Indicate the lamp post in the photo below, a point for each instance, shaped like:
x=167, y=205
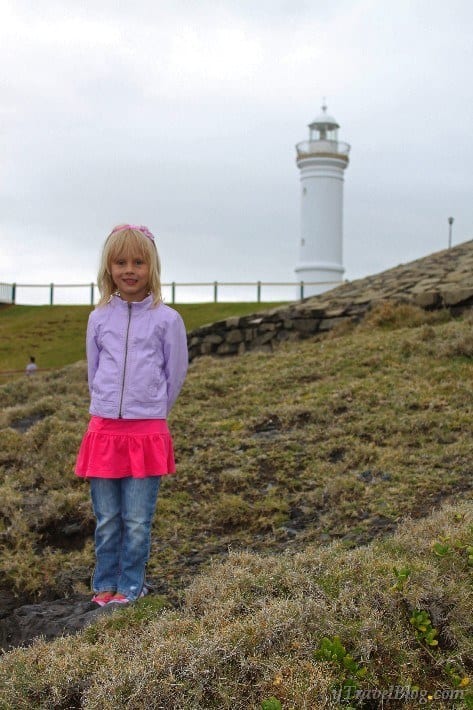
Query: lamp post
x=450, y=222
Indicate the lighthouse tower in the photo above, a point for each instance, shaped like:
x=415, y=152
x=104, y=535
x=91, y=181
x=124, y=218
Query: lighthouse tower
x=322, y=160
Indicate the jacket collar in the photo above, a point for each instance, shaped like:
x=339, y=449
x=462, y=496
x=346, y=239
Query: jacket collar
x=117, y=302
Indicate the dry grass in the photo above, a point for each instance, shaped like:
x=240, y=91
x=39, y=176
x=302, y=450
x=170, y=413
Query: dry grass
x=293, y=460
x=249, y=628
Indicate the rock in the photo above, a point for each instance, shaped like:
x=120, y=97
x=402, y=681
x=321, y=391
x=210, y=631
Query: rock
x=227, y=348
x=427, y=299
x=234, y=336
x=265, y=338
x=8, y=603
x=49, y=620
x=213, y=339
x=206, y=348
x=456, y=296
x=267, y=327
x=306, y=325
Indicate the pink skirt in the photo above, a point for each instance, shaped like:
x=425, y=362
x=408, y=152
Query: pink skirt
x=116, y=448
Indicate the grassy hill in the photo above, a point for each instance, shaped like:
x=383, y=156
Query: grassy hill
x=317, y=537
x=55, y=334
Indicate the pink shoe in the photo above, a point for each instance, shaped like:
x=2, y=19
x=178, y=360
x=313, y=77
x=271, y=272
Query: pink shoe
x=102, y=598
x=118, y=599
x=121, y=599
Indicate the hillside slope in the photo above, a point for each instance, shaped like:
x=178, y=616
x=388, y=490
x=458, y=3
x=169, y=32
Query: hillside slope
x=290, y=457
x=434, y=282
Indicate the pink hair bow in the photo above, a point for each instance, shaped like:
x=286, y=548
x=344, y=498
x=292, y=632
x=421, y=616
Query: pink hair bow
x=141, y=228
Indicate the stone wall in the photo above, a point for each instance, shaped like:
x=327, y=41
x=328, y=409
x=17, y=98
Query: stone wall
x=441, y=280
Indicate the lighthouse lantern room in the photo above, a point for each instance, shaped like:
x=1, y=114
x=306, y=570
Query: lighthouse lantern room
x=321, y=161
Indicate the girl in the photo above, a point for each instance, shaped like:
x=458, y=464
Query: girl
x=137, y=361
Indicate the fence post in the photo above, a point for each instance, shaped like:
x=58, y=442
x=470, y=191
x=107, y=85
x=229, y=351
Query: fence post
x=92, y=298
x=173, y=292
x=13, y=293
x=215, y=291
x=302, y=289
x=258, y=292
x=51, y=294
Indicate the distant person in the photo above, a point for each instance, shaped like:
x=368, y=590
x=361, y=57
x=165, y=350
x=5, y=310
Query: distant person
x=137, y=362
x=31, y=366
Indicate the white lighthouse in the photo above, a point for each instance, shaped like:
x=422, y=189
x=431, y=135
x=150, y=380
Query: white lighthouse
x=322, y=160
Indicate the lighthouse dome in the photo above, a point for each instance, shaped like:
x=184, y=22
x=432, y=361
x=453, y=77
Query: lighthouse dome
x=324, y=120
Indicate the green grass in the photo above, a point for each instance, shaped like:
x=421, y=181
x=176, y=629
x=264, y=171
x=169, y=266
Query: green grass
x=55, y=335
x=323, y=467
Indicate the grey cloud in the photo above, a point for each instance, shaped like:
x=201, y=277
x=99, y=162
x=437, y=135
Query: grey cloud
x=107, y=128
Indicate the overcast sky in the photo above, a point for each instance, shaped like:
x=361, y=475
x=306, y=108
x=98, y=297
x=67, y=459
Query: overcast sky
x=183, y=115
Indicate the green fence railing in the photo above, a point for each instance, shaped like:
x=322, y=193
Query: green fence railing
x=255, y=289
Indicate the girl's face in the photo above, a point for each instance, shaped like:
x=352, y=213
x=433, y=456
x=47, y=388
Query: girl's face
x=130, y=274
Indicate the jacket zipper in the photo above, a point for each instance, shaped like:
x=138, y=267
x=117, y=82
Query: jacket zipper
x=124, y=363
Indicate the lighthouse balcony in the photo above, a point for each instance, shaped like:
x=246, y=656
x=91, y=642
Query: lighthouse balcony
x=329, y=148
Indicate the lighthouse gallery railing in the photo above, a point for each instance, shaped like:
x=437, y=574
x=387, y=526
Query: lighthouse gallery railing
x=308, y=148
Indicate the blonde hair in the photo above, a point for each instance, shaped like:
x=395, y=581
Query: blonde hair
x=126, y=242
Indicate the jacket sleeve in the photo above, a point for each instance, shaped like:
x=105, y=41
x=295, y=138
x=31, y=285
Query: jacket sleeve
x=176, y=358
x=92, y=350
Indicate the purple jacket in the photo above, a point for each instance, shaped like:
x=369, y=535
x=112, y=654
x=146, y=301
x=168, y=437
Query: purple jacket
x=137, y=359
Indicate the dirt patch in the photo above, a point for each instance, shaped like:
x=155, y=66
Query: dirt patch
x=26, y=423
x=67, y=534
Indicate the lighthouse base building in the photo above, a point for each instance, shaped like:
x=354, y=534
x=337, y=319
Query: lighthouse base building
x=322, y=161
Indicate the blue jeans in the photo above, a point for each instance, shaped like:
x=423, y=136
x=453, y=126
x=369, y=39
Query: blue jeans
x=124, y=509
